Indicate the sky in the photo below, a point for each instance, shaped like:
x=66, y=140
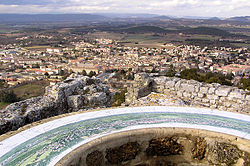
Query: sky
x=201, y=8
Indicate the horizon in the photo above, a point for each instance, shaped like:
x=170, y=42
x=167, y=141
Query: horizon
x=176, y=8
x=128, y=15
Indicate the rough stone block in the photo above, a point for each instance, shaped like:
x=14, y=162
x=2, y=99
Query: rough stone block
x=197, y=88
x=179, y=93
x=170, y=84
x=201, y=95
x=204, y=90
x=212, y=102
x=160, y=80
x=238, y=94
x=205, y=100
x=213, y=97
x=222, y=108
x=248, y=97
x=223, y=91
x=188, y=87
x=213, y=106
x=211, y=90
x=177, y=85
x=187, y=95
x=75, y=101
x=227, y=104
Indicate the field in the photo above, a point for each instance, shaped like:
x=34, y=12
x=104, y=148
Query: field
x=29, y=90
x=113, y=36
x=158, y=41
x=3, y=105
x=40, y=48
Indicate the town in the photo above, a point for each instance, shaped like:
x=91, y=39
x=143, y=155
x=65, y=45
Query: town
x=19, y=65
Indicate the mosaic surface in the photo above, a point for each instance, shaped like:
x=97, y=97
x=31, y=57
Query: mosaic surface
x=43, y=144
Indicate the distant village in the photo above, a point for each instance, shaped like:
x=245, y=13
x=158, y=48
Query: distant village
x=20, y=64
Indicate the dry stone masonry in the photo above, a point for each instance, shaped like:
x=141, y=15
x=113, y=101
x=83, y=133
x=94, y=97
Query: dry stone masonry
x=159, y=146
x=214, y=95
x=76, y=92
x=81, y=92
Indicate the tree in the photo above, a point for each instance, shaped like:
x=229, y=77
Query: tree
x=130, y=76
x=92, y=73
x=84, y=73
x=62, y=72
x=230, y=76
x=119, y=97
x=8, y=97
x=2, y=83
x=171, y=71
x=189, y=74
x=46, y=74
x=153, y=70
x=245, y=83
x=35, y=65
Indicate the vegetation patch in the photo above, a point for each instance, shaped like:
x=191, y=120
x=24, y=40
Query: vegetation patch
x=95, y=159
x=122, y=153
x=32, y=89
x=194, y=74
x=164, y=147
x=223, y=153
x=199, y=149
x=3, y=105
x=119, y=98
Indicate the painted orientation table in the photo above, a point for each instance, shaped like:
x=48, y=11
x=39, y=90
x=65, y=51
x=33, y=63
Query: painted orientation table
x=47, y=143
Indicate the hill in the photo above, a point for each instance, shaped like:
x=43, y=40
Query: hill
x=241, y=19
x=206, y=31
x=144, y=29
x=23, y=18
x=162, y=17
x=191, y=31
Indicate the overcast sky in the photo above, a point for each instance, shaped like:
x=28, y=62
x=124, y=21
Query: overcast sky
x=206, y=8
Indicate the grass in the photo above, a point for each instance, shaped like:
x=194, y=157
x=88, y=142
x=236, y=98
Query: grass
x=37, y=47
x=3, y=105
x=204, y=37
x=29, y=90
x=113, y=36
x=241, y=45
x=141, y=38
x=144, y=40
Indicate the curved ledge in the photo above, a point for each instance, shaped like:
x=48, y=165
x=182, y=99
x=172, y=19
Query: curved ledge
x=49, y=142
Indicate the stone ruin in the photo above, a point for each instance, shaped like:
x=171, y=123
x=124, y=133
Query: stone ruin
x=214, y=96
x=81, y=92
x=74, y=93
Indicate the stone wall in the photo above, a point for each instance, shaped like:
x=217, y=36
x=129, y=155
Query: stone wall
x=161, y=146
x=195, y=93
x=76, y=92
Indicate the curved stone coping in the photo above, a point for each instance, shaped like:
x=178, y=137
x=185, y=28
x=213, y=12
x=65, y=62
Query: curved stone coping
x=60, y=138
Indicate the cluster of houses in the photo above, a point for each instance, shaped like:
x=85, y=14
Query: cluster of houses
x=19, y=64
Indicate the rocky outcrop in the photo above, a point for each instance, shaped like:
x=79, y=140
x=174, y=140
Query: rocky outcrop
x=214, y=95
x=142, y=86
x=76, y=92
